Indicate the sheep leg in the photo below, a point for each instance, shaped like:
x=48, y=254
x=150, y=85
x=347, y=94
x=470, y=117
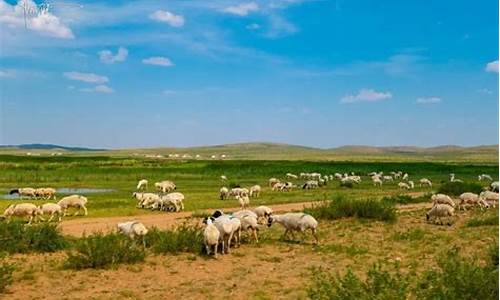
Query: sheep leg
x=50, y=219
x=30, y=219
x=255, y=235
x=207, y=247
x=215, y=250
x=313, y=231
x=85, y=210
x=65, y=212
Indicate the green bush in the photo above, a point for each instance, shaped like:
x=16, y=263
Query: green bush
x=485, y=221
x=342, y=207
x=183, y=238
x=457, y=188
x=454, y=278
x=103, y=251
x=17, y=237
x=406, y=199
x=347, y=184
x=6, y=270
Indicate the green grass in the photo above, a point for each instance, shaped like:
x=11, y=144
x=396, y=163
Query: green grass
x=458, y=188
x=483, y=221
x=6, y=270
x=17, y=237
x=183, y=238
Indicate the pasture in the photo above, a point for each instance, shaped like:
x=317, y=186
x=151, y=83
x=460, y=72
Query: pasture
x=273, y=268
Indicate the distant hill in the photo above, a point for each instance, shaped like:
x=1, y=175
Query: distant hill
x=48, y=147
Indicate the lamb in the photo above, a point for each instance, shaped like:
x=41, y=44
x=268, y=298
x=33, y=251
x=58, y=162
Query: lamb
x=442, y=199
x=489, y=196
x=228, y=227
x=211, y=236
x=165, y=186
x=23, y=209
x=425, y=181
x=485, y=177
x=243, y=200
x=142, y=185
x=175, y=200
x=404, y=186
x=263, y=212
x=255, y=191
x=439, y=211
x=52, y=209
x=295, y=222
x=248, y=221
x=291, y=176
x=273, y=181
x=223, y=193
x=77, y=201
x=133, y=229
x=24, y=192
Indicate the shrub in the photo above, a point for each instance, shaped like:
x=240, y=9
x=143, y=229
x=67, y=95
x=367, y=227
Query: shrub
x=104, y=251
x=406, y=199
x=184, y=238
x=486, y=221
x=17, y=237
x=347, y=184
x=457, y=188
x=6, y=270
x=342, y=207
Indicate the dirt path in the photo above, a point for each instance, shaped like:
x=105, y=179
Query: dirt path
x=77, y=227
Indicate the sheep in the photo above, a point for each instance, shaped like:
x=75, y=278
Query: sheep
x=404, y=186
x=471, y=198
x=489, y=196
x=228, y=227
x=405, y=177
x=485, y=177
x=223, y=193
x=24, y=192
x=133, y=229
x=23, y=209
x=286, y=186
x=453, y=179
x=255, y=191
x=248, y=221
x=145, y=200
x=310, y=184
x=237, y=191
x=388, y=178
x=77, y=201
x=223, y=178
x=211, y=236
x=165, y=186
x=45, y=193
x=425, y=181
x=263, y=212
x=273, y=181
x=295, y=222
x=338, y=176
x=494, y=186
x=52, y=209
x=142, y=185
x=442, y=199
x=411, y=184
x=243, y=200
x=439, y=211
x=377, y=181
x=175, y=200
x=291, y=176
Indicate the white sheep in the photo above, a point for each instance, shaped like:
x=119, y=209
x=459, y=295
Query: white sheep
x=411, y=184
x=133, y=229
x=442, y=199
x=485, y=177
x=211, y=236
x=76, y=201
x=23, y=209
x=263, y=212
x=30, y=193
x=494, y=186
x=388, y=178
x=489, y=197
x=291, y=176
x=223, y=178
x=425, y=181
x=453, y=179
x=244, y=201
x=404, y=186
x=223, y=193
x=471, y=198
x=255, y=191
x=52, y=209
x=142, y=185
x=45, y=193
x=228, y=227
x=175, y=200
x=145, y=200
x=377, y=181
x=310, y=184
x=273, y=181
x=248, y=221
x=165, y=186
x=439, y=211
x=295, y=222
x=405, y=176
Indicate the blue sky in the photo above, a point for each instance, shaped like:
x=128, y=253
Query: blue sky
x=180, y=73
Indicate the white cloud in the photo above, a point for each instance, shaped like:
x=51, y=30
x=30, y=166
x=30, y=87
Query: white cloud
x=492, y=66
x=158, y=61
x=107, y=57
x=485, y=91
x=428, y=100
x=280, y=27
x=366, y=95
x=98, y=89
x=242, y=9
x=7, y=74
x=86, y=77
x=253, y=26
x=167, y=17
x=27, y=14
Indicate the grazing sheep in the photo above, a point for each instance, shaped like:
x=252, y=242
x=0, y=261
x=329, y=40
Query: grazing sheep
x=388, y=178
x=142, y=185
x=45, y=193
x=453, y=179
x=237, y=191
x=310, y=184
x=255, y=191
x=133, y=229
x=405, y=176
x=489, y=197
x=30, y=193
x=244, y=201
x=291, y=176
x=263, y=212
x=439, y=211
x=377, y=181
x=278, y=186
x=77, y=201
x=228, y=227
x=411, y=184
x=223, y=178
x=404, y=186
x=484, y=177
x=273, y=181
x=165, y=186
x=494, y=187
x=287, y=186
x=22, y=210
x=248, y=221
x=442, y=199
x=52, y=209
x=211, y=236
x=172, y=200
x=223, y=193
x=295, y=222
x=145, y=200
x=471, y=198
x=425, y=181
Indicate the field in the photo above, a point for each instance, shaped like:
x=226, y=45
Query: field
x=274, y=268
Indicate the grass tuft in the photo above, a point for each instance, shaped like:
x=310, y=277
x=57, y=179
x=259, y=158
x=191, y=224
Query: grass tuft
x=458, y=188
x=183, y=238
x=6, y=271
x=18, y=237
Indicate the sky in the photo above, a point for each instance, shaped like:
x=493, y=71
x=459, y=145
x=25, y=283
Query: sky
x=120, y=74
